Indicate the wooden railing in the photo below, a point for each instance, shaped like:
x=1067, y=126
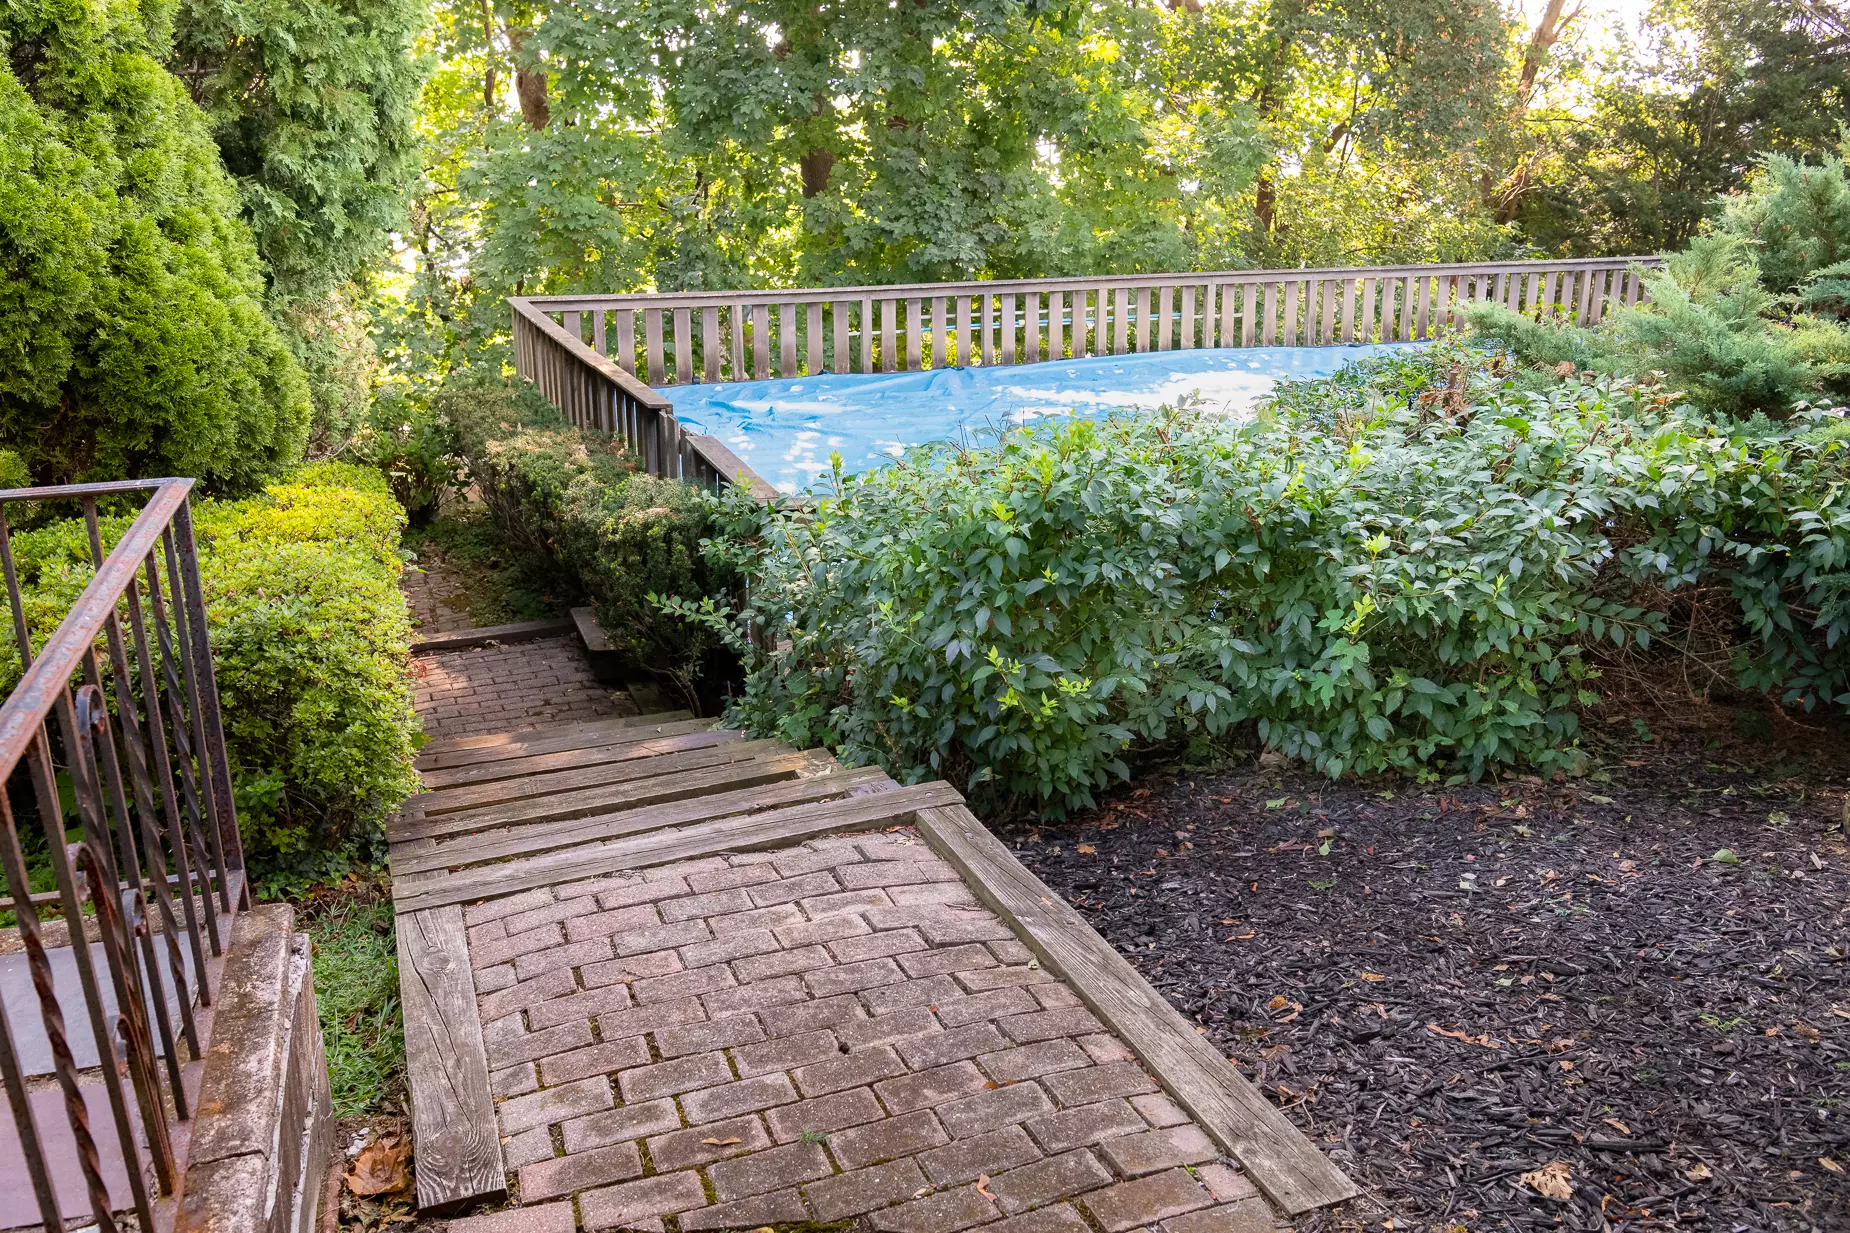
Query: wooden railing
x=596, y=356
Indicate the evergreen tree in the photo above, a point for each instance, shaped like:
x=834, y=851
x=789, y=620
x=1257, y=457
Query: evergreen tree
x=131, y=299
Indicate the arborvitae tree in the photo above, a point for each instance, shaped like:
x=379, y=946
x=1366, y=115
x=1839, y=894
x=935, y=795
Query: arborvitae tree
x=313, y=105
x=132, y=328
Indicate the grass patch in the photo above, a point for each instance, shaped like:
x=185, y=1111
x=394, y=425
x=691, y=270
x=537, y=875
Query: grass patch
x=356, y=990
x=506, y=584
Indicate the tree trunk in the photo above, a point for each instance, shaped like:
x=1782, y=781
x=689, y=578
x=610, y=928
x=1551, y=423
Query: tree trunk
x=816, y=166
x=529, y=82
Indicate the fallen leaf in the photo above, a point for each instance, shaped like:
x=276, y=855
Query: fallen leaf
x=1481, y=1041
x=1830, y=1164
x=1699, y=1172
x=1553, y=1180
x=721, y=1142
x=1085, y=849
x=379, y=1168
x=1371, y=976
x=1725, y=856
x=1619, y=1126
x=982, y=1187
x=1279, y=1002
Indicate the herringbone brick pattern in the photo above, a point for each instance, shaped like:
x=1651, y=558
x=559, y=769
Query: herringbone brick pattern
x=819, y=1033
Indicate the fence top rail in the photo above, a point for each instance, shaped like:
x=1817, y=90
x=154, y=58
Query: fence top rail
x=46, y=680
x=544, y=304
x=605, y=367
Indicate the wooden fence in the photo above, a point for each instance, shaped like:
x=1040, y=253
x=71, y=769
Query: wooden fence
x=597, y=356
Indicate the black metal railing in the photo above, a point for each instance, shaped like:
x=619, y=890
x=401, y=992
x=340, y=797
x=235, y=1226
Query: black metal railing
x=112, y=735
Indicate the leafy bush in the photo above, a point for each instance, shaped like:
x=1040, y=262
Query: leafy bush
x=310, y=641
x=620, y=536
x=131, y=297
x=1413, y=567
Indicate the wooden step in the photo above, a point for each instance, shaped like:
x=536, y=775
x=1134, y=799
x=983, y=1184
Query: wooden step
x=424, y=809
x=514, y=768
x=771, y=828
x=446, y=1065
x=526, y=745
x=449, y=744
x=425, y=856
x=610, y=798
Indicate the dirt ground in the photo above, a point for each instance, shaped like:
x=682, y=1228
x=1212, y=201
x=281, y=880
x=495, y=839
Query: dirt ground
x=1626, y=991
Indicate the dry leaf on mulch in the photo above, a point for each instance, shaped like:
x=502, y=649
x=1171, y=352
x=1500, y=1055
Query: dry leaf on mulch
x=381, y=1167
x=1553, y=1180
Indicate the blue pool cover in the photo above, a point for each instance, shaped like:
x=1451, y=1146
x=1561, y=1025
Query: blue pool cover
x=786, y=429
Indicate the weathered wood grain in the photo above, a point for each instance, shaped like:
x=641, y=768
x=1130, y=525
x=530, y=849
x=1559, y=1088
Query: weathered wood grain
x=420, y=815
x=452, y=1114
x=530, y=764
x=761, y=830
x=541, y=741
x=449, y=744
x=502, y=843
x=1276, y=1154
x=612, y=798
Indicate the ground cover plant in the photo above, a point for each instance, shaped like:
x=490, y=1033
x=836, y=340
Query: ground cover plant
x=1421, y=565
x=1611, y=1003
x=309, y=636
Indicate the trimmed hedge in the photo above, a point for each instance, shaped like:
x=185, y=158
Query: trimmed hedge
x=310, y=638
x=623, y=538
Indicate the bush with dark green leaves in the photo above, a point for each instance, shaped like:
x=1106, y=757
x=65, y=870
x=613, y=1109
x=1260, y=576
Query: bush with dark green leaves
x=624, y=538
x=310, y=639
x=131, y=297
x=1418, y=566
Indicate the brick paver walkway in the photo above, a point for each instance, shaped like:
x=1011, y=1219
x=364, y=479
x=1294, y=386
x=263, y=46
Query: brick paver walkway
x=507, y=688
x=433, y=592
x=819, y=1033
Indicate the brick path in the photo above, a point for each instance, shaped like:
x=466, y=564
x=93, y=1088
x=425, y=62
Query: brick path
x=829, y=1032
x=432, y=591
x=508, y=688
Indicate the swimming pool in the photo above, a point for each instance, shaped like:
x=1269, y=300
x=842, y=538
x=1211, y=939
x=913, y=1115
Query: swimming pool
x=786, y=429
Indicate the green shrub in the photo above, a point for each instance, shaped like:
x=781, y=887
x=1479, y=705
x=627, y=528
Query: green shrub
x=1708, y=328
x=621, y=537
x=309, y=638
x=1795, y=215
x=131, y=297
x=1418, y=566
x=611, y=532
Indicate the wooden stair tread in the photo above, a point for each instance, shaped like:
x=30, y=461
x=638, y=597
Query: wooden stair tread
x=513, y=768
x=482, y=740
x=423, y=810
x=609, y=798
x=561, y=743
x=446, y=1065
x=790, y=824
x=424, y=856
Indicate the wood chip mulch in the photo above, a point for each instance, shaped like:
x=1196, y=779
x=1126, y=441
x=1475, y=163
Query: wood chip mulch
x=1633, y=992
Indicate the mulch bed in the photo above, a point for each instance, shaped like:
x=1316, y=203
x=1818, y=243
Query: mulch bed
x=1452, y=987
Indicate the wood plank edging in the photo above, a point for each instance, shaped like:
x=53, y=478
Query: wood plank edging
x=747, y=833
x=450, y=744
x=446, y=1065
x=1279, y=1157
x=467, y=639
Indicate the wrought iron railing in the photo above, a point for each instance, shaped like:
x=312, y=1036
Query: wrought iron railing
x=119, y=792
